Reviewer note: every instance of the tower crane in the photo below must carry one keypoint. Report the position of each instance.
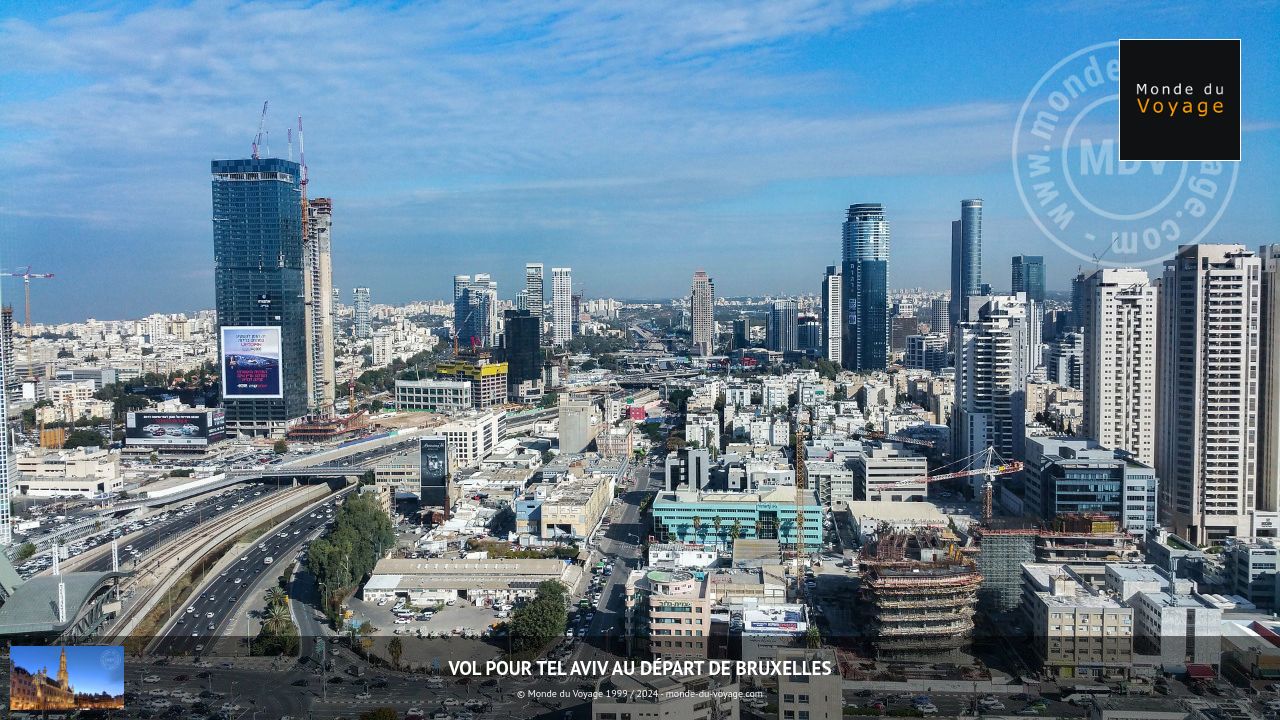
(802, 488)
(27, 276)
(262, 124)
(992, 467)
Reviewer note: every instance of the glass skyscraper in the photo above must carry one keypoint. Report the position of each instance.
(865, 269)
(258, 277)
(1028, 277)
(966, 259)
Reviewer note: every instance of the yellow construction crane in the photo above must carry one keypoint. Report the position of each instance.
(802, 487)
(27, 276)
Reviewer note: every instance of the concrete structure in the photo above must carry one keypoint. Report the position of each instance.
(617, 442)
(1180, 628)
(360, 303)
(430, 582)
(1076, 631)
(488, 378)
(83, 472)
(1207, 437)
(691, 697)
(682, 556)
(926, 352)
(472, 437)
(561, 305)
(444, 396)
(702, 311)
(670, 612)
(1251, 570)
(920, 609)
(966, 260)
(996, 351)
(1119, 354)
(1269, 390)
(317, 286)
(574, 507)
(1065, 476)
(687, 469)
(867, 516)
(576, 424)
(865, 270)
(832, 317)
(890, 471)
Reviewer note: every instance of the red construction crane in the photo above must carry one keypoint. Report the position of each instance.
(877, 435)
(989, 469)
(27, 276)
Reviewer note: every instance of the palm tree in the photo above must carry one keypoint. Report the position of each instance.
(716, 521)
(275, 596)
(277, 617)
(697, 526)
(735, 530)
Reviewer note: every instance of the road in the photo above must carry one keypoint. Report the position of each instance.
(208, 615)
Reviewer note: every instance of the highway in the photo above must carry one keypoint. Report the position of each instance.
(208, 615)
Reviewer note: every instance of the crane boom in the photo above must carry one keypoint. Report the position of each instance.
(27, 276)
(262, 124)
(1005, 469)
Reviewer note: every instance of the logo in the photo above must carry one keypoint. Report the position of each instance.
(1180, 100)
(1082, 196)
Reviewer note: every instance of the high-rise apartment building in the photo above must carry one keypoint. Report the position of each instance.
(865, 268)
(9, 370)
(782, 333)
(966, 259)
(1064, 360)
(1028, 277)
(534, 289)
(317, 287)
(258, 283)
(702, 308)
(521, 335)
(562, 305)
(832, 320)
(7, 467)
(1207, 391)
(360, 298)
(1269, 388)
(940, 315)
(475, 310)
(1119, 368)
(995, 353)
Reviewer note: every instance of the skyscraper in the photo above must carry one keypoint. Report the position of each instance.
(9, 371)
(940, 315)
(966, 259)
(7, 468)
(865, 267)
(1119, 369)
(782, 331)
(832, 325)
(562, 305)
(521, 335)
(475, 310)
(534, 289)
(742, 332)
(1207, 391)
(360, 299)
(1028, 277)
(995, 352)
(317, 284)
(1269, 390)
(702, 307)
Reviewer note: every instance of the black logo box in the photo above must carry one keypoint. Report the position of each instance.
(1188, 68)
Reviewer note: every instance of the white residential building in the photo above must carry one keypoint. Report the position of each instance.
(384, 348)
(1119, 373)
(890, 471)
(562, 305)
(702, 309)
(832, 320)
(996, 352)
(534, 289)
(1269, 391)
(472, 437)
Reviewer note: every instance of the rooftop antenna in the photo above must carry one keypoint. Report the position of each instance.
(262, 122)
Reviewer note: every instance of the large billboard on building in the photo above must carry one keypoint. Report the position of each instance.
(434, 456)
(251, 363)
(176, 430)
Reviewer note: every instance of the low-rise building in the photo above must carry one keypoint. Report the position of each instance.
(715, 517)
(669, 611)
(1076, 630)
(1180, 628)
(82, 472)
(573, 507)
(890, 471)
(681, 556)
(694, 697)
(443, 396)
(472, 437)
(810, 696)
(430, 582)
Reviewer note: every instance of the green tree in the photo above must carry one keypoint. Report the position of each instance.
(717, 522)
(25, 551)
(735, 530)
(375, 405)
(380, 713)
(360, 534)
(697, 526)
(813, 637)
(395, 649)
(277, 618)
(542, 619)
(275, 596)
(549, 400)
(281, 447)
(83, 437)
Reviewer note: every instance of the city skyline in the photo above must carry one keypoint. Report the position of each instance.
(104, 184)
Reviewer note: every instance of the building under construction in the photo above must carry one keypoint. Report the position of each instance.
(919, 595)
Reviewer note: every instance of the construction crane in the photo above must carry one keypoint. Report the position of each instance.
(992, 466)
(802, 487)
(27, 276)
(262, 124)
(877, 435)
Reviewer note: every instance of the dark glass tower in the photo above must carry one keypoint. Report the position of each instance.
(966, 259)
(1028, 277)
(865, 269)
(522, 331)
(257, 253)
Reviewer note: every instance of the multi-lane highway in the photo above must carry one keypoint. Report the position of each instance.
(209, 615)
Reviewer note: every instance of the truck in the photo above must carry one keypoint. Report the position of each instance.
(268, 560)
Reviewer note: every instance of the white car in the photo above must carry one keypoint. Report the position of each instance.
(238, 581)
(151, 679)
(208, 615)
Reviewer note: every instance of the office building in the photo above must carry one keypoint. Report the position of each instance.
(258, 284)
(562, 305)
(1077, 631)
(1207, 391)
(995, 353)
(815, 696)
(8, 366)
(672, 610)
(940, 316)
(809, 334)
(889, 471)
(534, 291)
(1028, 277)
(442, 396)
(832, 325)
(1064, 361)
(769, 513)
(575, 423)
(1269, 388)
(488, 378)
(926, 352)
(1074, 476)
(782, 334)
(360, 299)
(742, 333)
(317, 286)
(865, 268)
(475, 310)
(1118, 315)
(471, 438)
(966, 259)
(702, 309)
(521, 335)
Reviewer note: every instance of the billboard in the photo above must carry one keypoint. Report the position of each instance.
(434, 458)
(251, 363)
(177, 429)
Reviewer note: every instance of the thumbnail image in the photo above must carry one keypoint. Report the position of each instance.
(88, 677)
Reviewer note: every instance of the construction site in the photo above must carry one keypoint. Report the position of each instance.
(918, 595)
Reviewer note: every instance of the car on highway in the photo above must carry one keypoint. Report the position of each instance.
(151, 679)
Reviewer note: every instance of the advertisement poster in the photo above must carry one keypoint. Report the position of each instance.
(184, 429)
(251, 363)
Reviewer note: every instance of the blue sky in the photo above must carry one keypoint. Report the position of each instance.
(91, 668)
(635, 142)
